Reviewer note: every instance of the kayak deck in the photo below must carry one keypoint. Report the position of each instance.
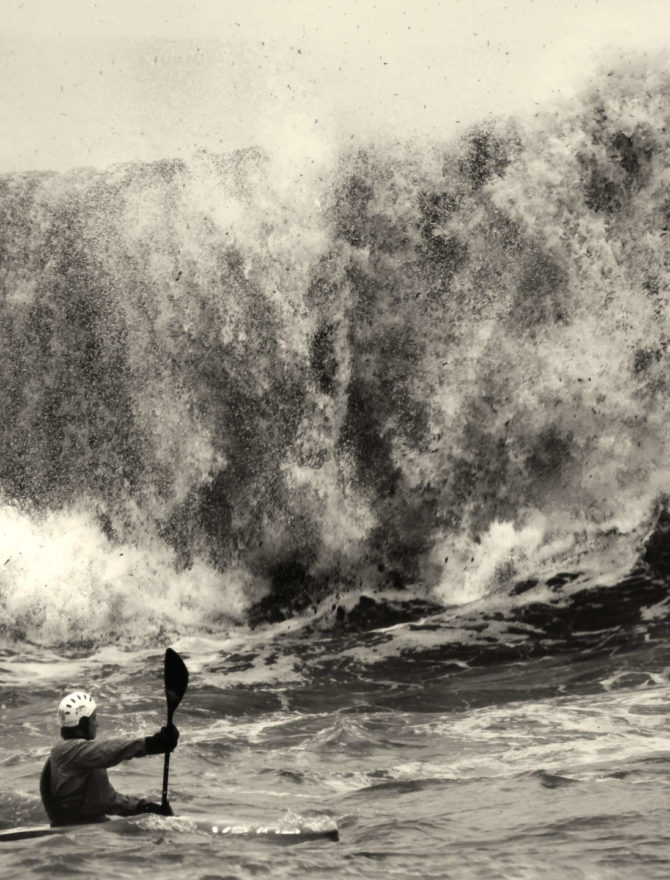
(183, 824)
(33, 831)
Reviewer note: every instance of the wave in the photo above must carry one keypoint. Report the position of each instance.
(235, 390)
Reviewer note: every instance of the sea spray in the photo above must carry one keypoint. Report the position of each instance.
(65, 582)
(412, 366)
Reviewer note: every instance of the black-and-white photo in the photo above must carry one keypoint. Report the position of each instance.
(334, 439)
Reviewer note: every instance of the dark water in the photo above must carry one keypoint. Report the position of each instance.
(557, 768)
(382, 447)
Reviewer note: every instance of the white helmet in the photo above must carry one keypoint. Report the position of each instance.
(75, 706)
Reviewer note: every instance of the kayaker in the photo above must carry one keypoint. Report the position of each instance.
(74, 786)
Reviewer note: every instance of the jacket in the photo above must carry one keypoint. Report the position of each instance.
(75, 787)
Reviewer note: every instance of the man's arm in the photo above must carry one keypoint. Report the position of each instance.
(122, 804)
(91, 754)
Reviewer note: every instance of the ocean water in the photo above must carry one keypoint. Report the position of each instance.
(556, 767)
(379, 443)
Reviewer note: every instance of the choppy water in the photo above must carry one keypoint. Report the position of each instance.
(560, 767)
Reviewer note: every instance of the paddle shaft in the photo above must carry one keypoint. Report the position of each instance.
(166, 765)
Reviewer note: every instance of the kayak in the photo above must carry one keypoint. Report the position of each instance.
(275, 834)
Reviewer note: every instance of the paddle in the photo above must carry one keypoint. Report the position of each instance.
(176, 682)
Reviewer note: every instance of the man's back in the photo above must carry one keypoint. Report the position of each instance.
(79, 788)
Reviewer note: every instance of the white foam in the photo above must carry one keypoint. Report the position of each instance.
(62, 580)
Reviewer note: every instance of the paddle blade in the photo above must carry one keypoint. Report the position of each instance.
(176, 679)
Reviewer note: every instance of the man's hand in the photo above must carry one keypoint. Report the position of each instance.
(164, 741)
(151, 807)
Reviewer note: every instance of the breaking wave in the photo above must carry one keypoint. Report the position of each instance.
(236, 390)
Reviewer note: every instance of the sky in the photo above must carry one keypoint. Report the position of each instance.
(97, 82)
